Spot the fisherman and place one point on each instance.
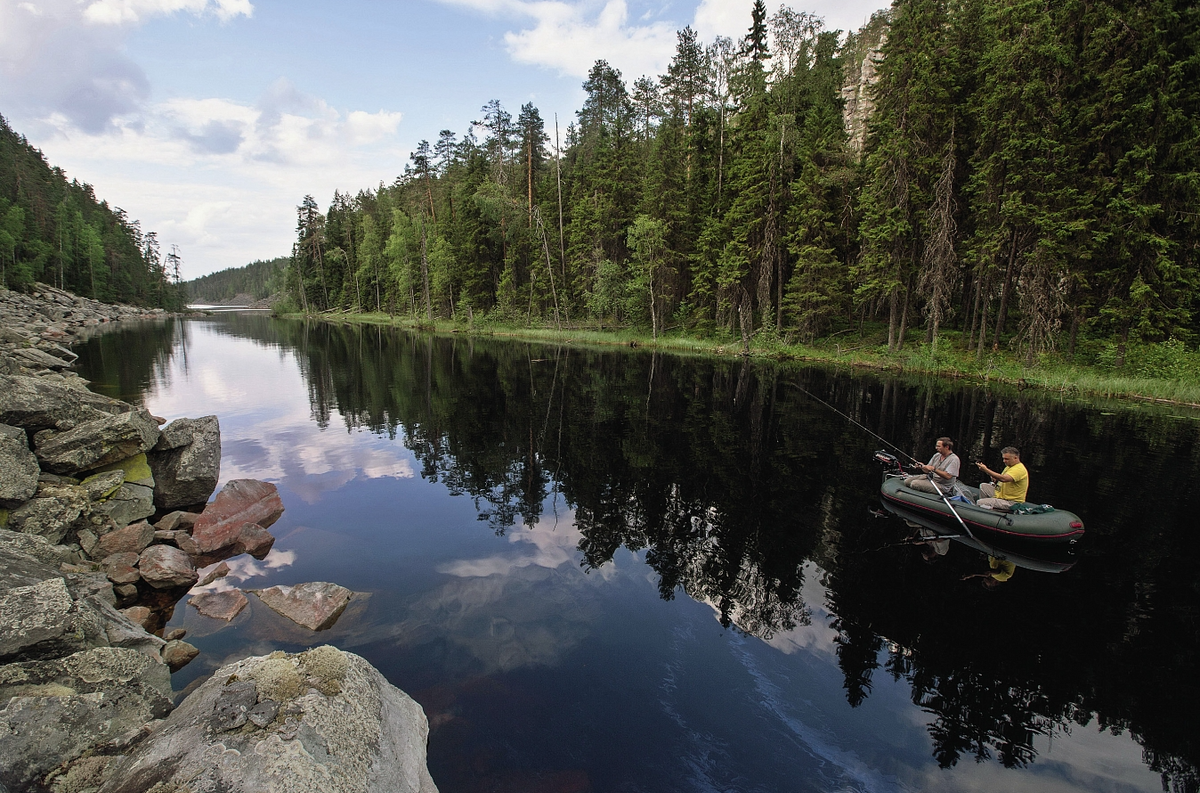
(943, 467)
(1013, 482)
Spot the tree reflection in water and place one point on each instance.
(730, 480)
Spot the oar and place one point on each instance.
(954, 512)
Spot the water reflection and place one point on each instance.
(739, 491)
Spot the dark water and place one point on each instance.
(625, 571)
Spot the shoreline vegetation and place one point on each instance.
(865, 350)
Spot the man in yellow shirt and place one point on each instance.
(1013, 482)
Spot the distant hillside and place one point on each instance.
(55, 230)
(257, 280)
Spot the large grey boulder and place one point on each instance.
(130, 502)
(52, 513)
(39, 548)
(96, 443)
(44, 614)
(58, 709)
(321, 721)
(36, 403)
(186, 462)
(18, 467)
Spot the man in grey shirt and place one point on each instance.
(943, 466)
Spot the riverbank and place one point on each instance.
(1049, 372)
(105, 526)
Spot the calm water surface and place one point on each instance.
(626, 571)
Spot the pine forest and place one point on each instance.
(56, 231)
(1011, 174)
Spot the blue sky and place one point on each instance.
(208, 120)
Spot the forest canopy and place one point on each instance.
(55, 230)
(1000, 172)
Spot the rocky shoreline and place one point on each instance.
(105, 525)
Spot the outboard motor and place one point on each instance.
(889, 462)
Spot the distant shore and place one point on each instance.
(1049, 373)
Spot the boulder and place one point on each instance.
(33, 357)
(178, 654)
(220, 605)
(52, 513)
(18, 468)
(336, 725)
(180, 539)
(61, 708)
(167, 567)
(134, 538)
(103, 485)
(92, 444)
(129, 503)
(39, 548)
(316, 605)
(186, 462)
(177, 521)
(254, 540)
(220, 571)
(42, 621)
(36, 403)
(138, 615)
(121, 568)
(241, 501)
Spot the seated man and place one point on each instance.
(943, 466)
(1013, 480)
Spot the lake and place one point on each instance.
(623, 570)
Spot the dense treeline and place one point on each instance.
(54, 230)
(259, 279)
(1027, 177)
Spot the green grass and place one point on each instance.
(868, 351)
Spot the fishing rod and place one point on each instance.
(865, 429)
(891, 445)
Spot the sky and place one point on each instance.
(209, 120)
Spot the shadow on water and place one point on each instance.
(730, 479)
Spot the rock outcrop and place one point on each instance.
(86, 579)
(323, 721)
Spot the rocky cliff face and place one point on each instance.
(862, 53)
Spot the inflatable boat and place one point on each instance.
(1027, 524)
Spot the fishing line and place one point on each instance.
(875, 435)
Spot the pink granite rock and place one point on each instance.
(132, 539)
(120, 567)
(139, 615)
(177, 521)
(316, 605)
(254, 540)
(241, 501)
(167, 567)
(220, 571)
(220, 605)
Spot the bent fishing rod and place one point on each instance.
(893, 446)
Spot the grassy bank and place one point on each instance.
(1169, 375)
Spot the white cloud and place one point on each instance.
(731, 18)
(571, 37)
(122, 12)
(221, 178)
(65, 57)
